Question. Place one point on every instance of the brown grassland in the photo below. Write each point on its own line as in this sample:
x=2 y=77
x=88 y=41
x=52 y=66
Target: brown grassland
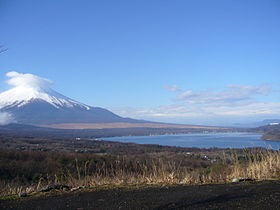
x=36 y=163
x=126 y=125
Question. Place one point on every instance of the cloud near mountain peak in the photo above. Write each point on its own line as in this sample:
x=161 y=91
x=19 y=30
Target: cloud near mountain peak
x=27 y=80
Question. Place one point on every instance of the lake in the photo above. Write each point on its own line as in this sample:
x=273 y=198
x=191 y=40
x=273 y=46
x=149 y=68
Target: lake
x=201 y=140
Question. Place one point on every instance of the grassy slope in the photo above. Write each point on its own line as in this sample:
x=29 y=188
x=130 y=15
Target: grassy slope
x=28 y=163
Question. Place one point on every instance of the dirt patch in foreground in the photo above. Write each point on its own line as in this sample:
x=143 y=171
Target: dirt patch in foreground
x=247 y=195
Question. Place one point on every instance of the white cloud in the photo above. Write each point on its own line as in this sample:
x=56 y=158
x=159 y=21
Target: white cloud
x=27 y=80
x=173 y=88
x=231 y=95
x=5 y=118
x=237 y=102
x=201 y=114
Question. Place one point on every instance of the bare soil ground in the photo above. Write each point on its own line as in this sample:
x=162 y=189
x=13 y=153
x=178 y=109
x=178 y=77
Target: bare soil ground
x=247 y=195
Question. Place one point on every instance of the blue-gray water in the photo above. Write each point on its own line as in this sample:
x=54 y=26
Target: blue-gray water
x=219 y=140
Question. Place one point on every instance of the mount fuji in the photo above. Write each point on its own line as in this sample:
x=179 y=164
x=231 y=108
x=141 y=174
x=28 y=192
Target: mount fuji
x=32 y=101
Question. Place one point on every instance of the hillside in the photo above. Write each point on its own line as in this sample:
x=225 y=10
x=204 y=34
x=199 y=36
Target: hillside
x=270 y=132
x=273 y=135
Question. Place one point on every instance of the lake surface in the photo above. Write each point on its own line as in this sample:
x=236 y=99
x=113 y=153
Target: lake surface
x=209 y=140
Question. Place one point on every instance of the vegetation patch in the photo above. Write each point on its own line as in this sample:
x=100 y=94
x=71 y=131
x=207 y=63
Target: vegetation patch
x=29 y=171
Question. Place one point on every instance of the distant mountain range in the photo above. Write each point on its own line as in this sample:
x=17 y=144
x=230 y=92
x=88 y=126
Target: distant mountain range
x=257 y=124
x=41 y=106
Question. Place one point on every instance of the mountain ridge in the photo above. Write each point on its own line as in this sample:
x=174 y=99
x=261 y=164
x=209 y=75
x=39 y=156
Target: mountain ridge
x=40 y=105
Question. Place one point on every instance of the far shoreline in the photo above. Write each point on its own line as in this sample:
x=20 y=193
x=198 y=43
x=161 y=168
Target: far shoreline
x=200 y=140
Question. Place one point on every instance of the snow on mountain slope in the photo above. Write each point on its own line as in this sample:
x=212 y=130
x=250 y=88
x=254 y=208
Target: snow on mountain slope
x=29 y=87
x=32 y=101
x=20 y=96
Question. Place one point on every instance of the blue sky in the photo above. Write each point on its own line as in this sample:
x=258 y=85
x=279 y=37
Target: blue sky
x=182 y=61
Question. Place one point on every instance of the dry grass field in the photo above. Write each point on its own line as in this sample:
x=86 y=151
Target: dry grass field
x=125 y=125
x=29 y=170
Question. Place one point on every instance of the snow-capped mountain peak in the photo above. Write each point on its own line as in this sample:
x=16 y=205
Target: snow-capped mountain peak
x=21 y=95
x=29 y=87
x=32 y=101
